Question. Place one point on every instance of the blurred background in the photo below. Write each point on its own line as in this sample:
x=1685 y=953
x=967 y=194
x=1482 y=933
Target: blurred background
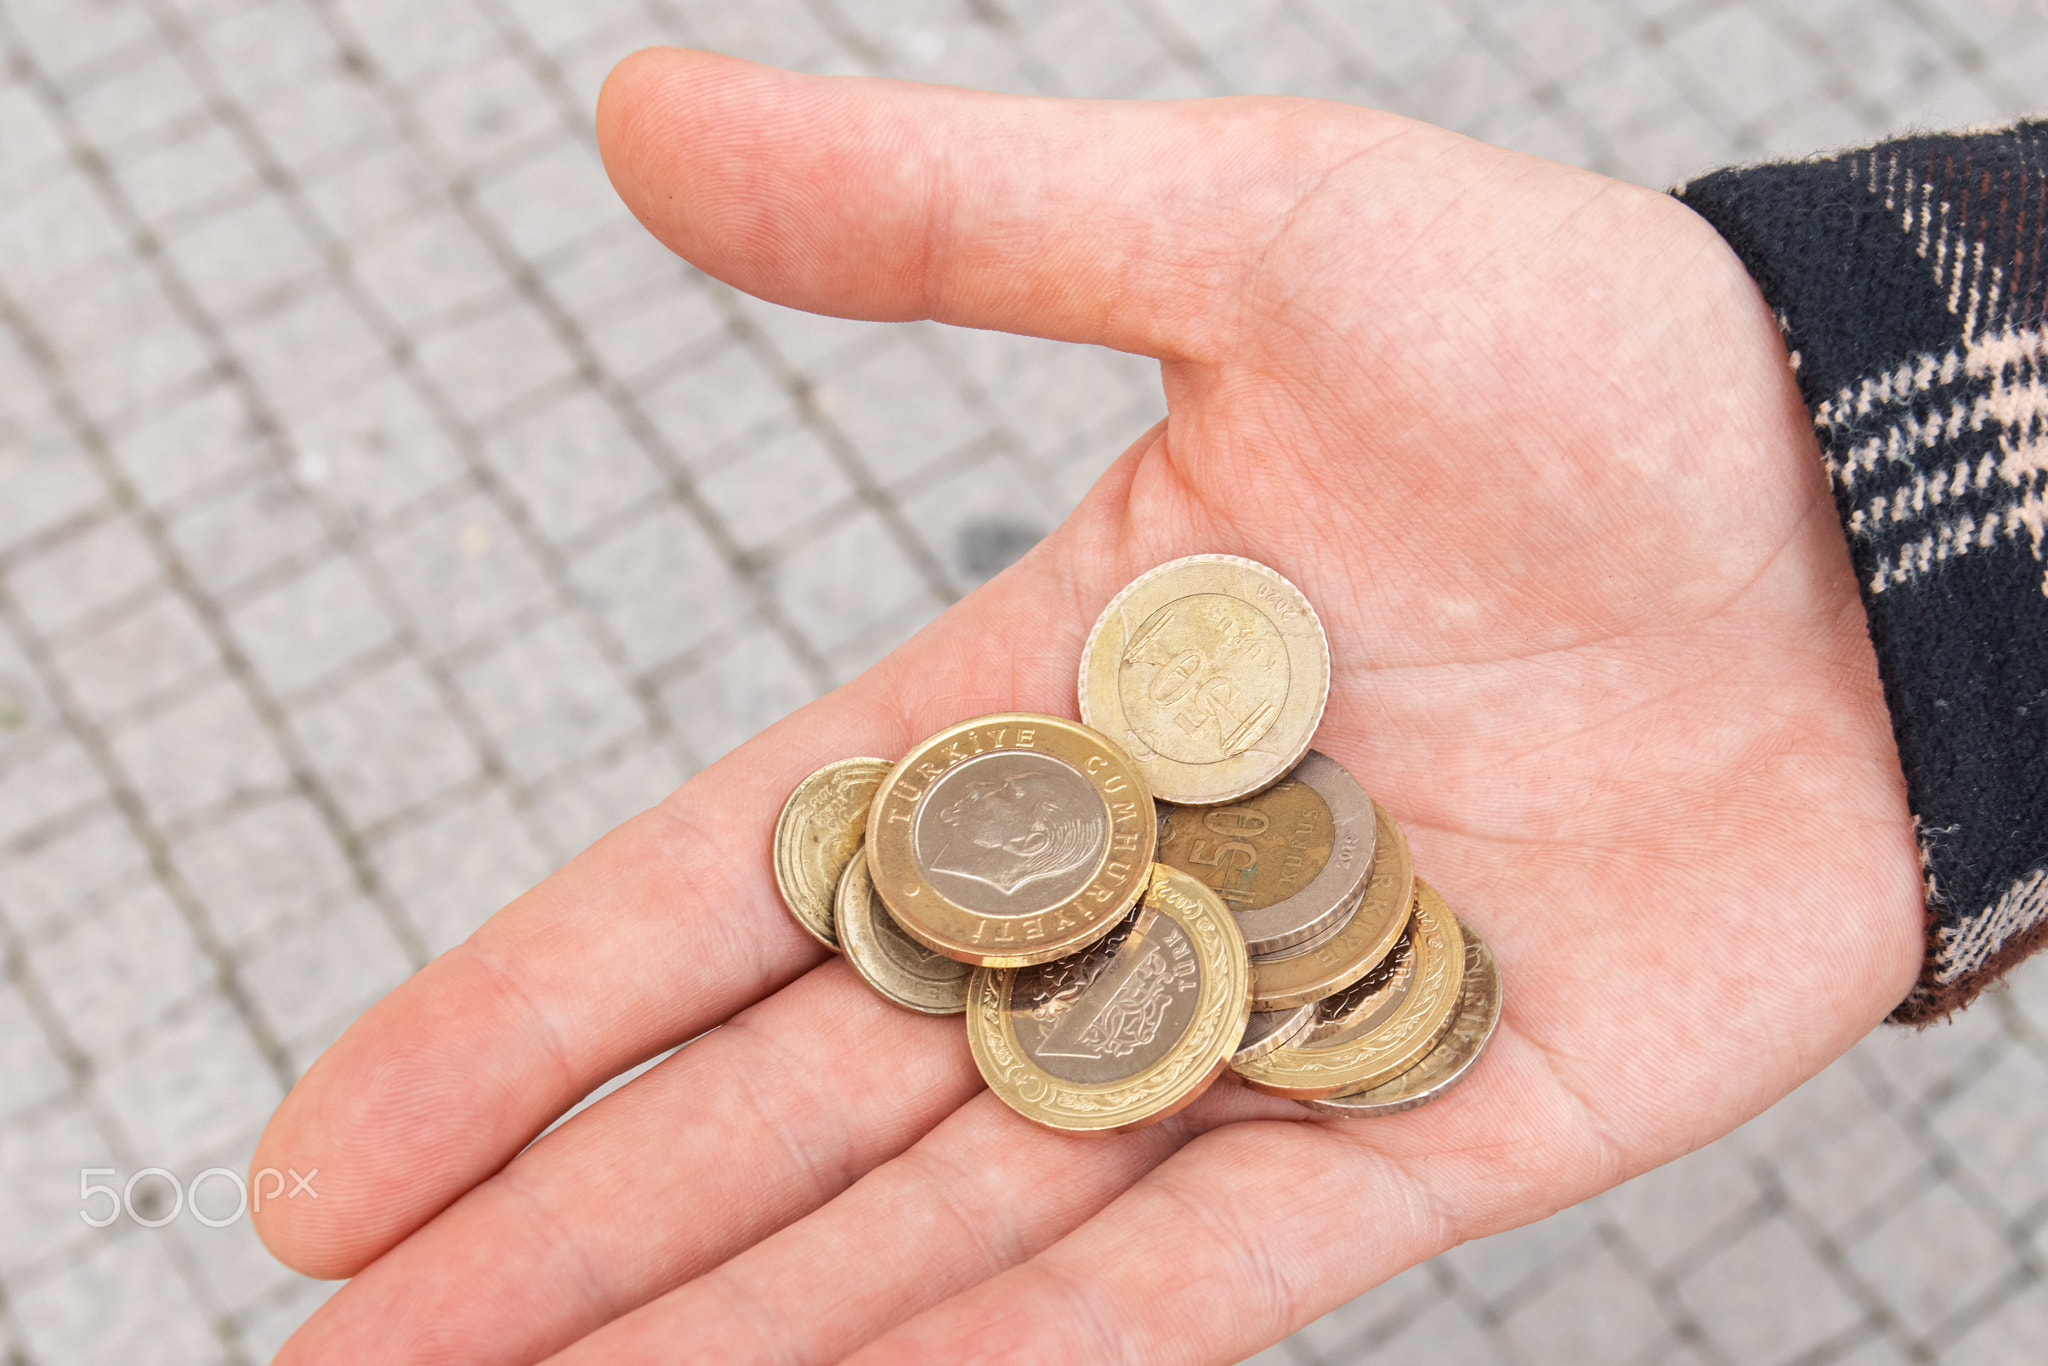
x=383 y=516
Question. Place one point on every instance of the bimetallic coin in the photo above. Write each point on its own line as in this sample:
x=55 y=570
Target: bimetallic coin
x=1125 y=1032
x=1445 y=1065
x=1288 y=861
x=1325 y=968
x=899 y=968
x=1271 y=1029
x=1011 y=839
x=1368 y=1002
x=818 y=834
x=1213 y=671
x=1366 y=1056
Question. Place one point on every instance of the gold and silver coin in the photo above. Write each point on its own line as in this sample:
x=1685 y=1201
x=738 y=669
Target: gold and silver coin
x=1126 y=1032
x=1445 y=1065
x=1367 y=1053
x=818 y=834
x=1012 y=839
x=1327 y=966
x=1267 y=1030
x=1289 y=862
x=900 y=969
x=1369 y=1002
x=1213 y=672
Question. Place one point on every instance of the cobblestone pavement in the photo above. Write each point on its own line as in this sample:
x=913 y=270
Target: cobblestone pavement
x=355 y=447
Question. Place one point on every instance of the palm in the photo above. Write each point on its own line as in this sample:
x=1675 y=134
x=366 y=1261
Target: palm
x=1525 y=438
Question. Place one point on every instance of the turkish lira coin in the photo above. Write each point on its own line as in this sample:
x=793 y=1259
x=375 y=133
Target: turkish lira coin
x=1213 y=672
x=900 y=969
x=1288 y=861
x=1125 y=1032
x=1367 y=1053
x=1369 y=1002
x=1267 y=1030
x=1445 y=1065
x=1327 y=966
x=817 y=834
x=1011 y=839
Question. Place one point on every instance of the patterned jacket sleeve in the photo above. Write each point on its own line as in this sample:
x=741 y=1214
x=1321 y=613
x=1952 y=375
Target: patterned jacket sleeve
x=1911 y=282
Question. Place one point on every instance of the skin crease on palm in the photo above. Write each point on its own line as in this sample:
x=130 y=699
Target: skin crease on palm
x=1528 y=439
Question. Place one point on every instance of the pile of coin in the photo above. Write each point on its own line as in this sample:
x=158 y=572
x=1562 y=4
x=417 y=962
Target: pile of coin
x=1177 y=887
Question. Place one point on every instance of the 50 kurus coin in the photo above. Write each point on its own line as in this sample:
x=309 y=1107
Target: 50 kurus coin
x=1011 y=839
x=1288 y=861
x=1328 y=965
x=817 y=835
x=1127 y=1031
x=1213 y=671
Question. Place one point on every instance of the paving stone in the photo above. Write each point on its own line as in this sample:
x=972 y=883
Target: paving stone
x=243 y=256
x=2010 y=1335
x=578 y=813
x=33 y=1070
x=771 y=489
x=65 y=1316
x=70 y=873
x=489 y=362
x=264 y=1330
x=48 y=483
x=378 y=450
x=548 y=698
x=305 y=628
x=427 y=266
x=265 y=49
x=386 y=742
x=388 y=182
x=701 y=408
x=325 y=972
x=982 y=519
x=31 y=146
x=40 y=1157
x=307 y=350
x=136 y=656
x=1595 y=1309
x=259 y=865
x=573 y=463
x=1767 y=1298
x=1934 y=1258
x=2001 y=1121
x=484 y=110
x=199 y=173
x=45 y=786
x=463 y=571
x=150 y=95
x=118 y=340
x=53 y=233
x=840 y=582
x=749 y=684
x=113 y=974
x=553 y=200
x=1672 y=1210
x=456 y=866
x=65 y=35
x=661 y=586
x=85 y=573
x=200 y=438
x=1441 y=1335
x=197 y=1083
x=899 y=412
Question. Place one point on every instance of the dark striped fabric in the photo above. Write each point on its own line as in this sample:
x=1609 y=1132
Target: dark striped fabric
x=1911 y=282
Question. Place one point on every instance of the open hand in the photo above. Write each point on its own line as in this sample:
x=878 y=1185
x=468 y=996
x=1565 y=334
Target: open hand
x=1528 y=440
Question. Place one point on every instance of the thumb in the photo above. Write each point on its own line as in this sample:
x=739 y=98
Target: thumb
x=1132 y=225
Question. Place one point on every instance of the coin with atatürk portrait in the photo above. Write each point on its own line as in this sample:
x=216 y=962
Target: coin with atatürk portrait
x=1011 y=839
x=1128 y=1030
x=1213 y=672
